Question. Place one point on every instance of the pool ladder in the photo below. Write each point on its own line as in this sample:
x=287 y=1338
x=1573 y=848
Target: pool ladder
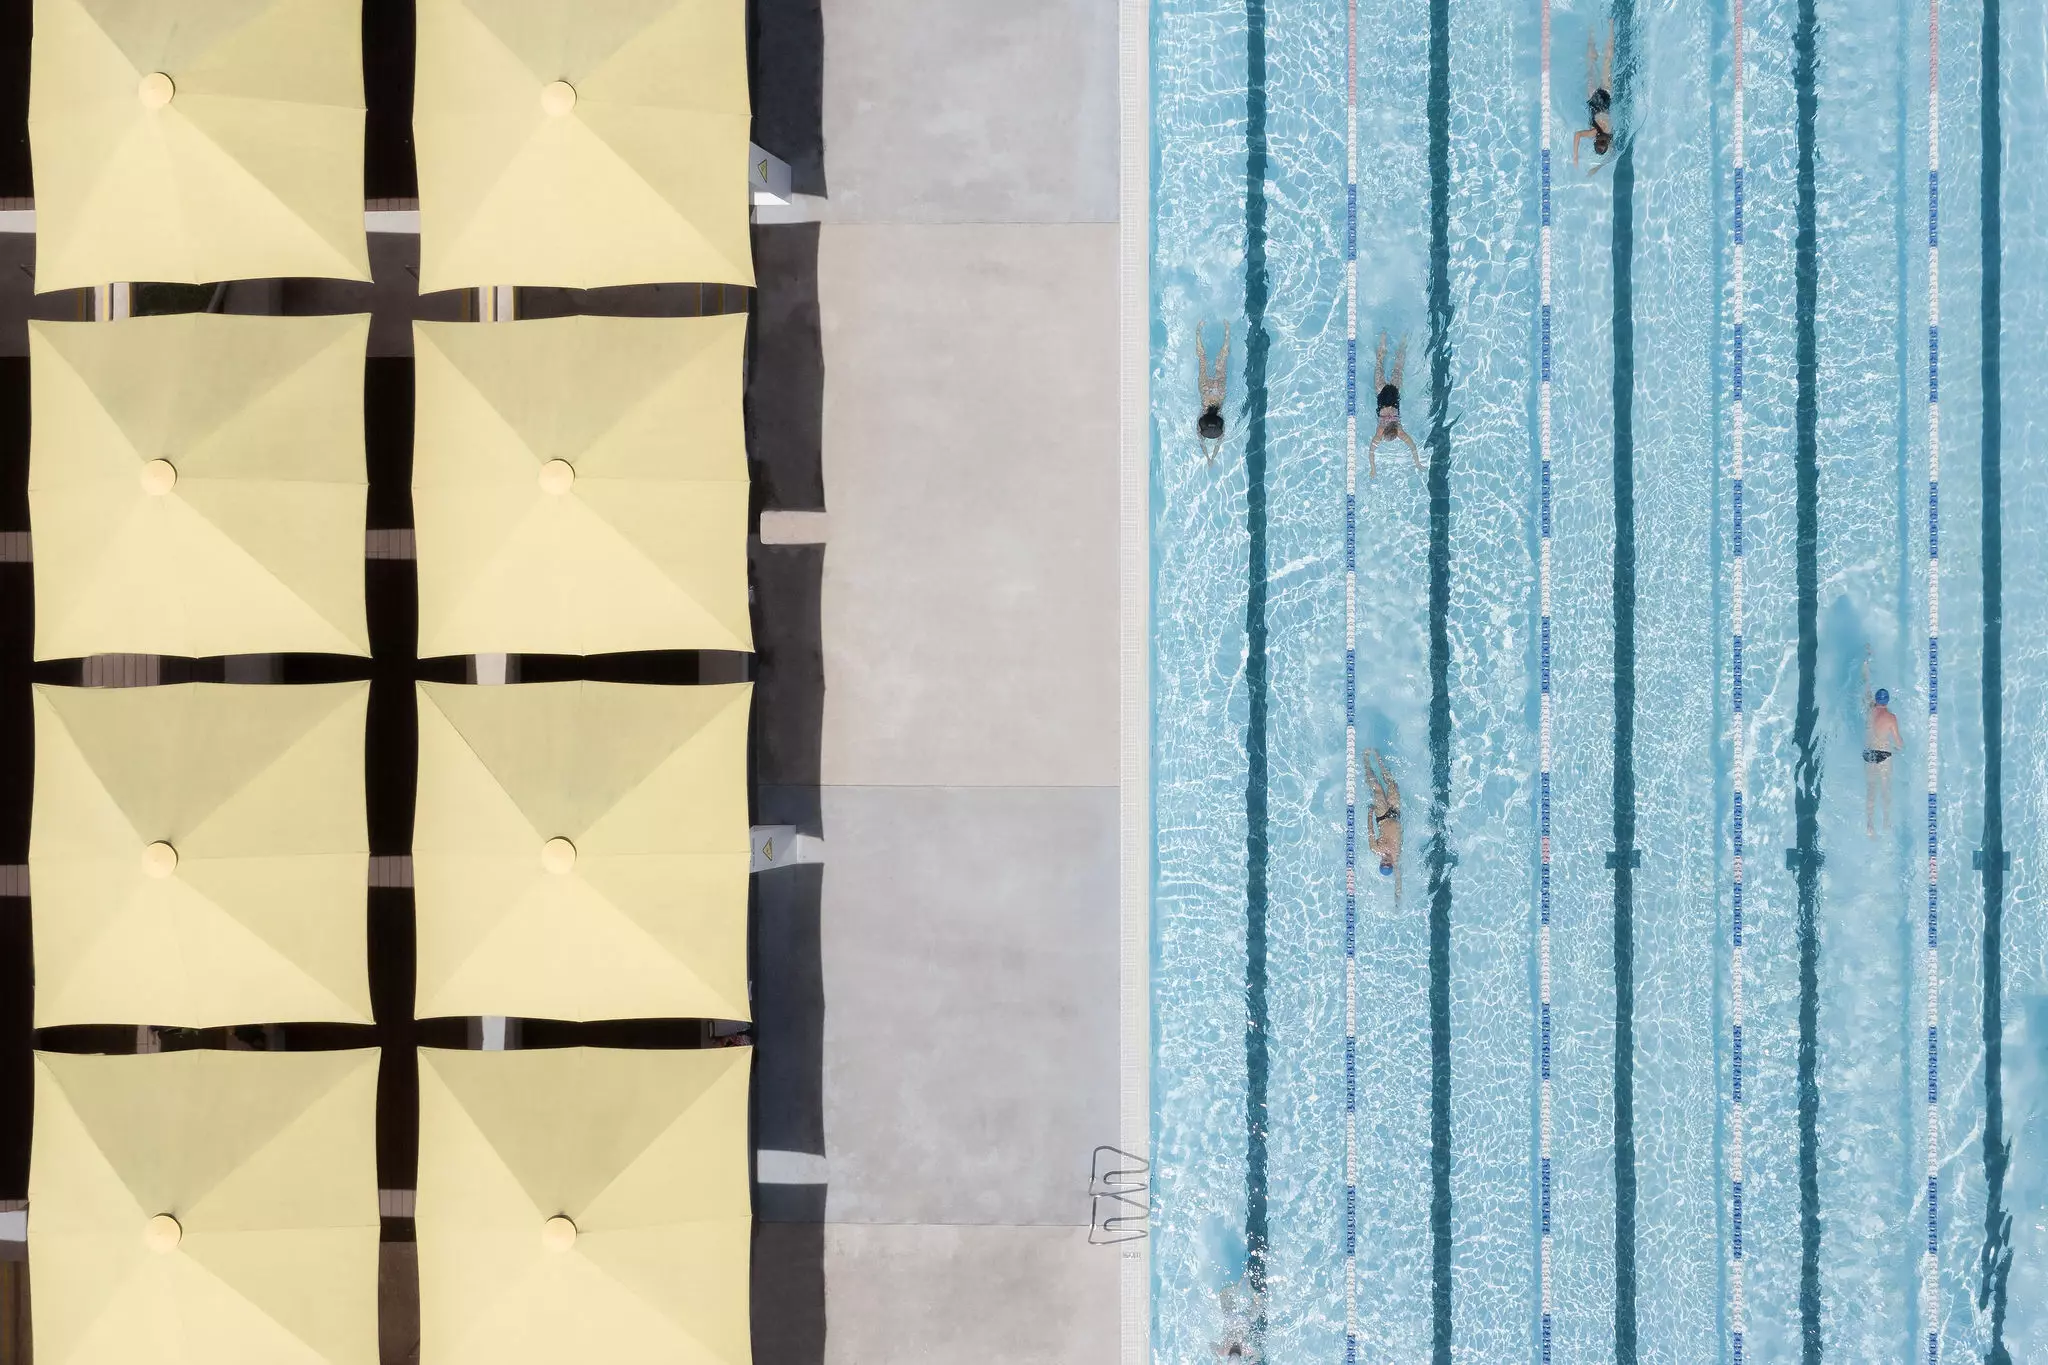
x=1119 y=1196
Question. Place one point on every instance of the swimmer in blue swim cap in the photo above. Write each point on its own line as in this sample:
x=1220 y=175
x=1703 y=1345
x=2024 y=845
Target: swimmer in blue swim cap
x=1881 y=740
x=1384 y=819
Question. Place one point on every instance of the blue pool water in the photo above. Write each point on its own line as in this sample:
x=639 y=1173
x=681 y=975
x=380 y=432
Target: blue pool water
x=1249 y=1081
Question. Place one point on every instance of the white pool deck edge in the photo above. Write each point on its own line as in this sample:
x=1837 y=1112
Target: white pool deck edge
x=1134 y=234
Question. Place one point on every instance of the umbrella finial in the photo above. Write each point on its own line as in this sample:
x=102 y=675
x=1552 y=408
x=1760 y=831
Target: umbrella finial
x=159 y=860
x=558 y=1233
x=156 y=90
x=164 y=1233
x=557 y=477
x=557 y=98
x=558 y=855
x=159 y=477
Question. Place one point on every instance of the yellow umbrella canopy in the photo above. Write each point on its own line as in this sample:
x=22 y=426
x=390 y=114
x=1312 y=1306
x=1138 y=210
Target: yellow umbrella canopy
x=582 y=142
x=197 y=140
x=215 y=1206
x=197 y=485
x=580 y=851
x=199 y=855
x=584 y=1204
x=580 y=486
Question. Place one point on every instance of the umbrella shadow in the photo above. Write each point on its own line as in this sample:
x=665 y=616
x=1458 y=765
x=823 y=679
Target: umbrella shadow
x=786 y=74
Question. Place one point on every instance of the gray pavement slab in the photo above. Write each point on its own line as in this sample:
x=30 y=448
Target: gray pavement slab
x=967 y=937
x=987 y=1295
x=995 y=111
x=970 y=590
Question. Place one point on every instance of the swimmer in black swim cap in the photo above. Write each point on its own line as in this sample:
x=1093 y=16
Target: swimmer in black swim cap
x=1599 y=101
x=1388 y=404
x=1213 y=385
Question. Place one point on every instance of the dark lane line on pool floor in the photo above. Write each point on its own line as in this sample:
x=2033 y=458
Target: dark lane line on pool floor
x=1996 y=1261
x=1804 y=857
x=1625 y=857
x=1257 y=288
x=1439 y=678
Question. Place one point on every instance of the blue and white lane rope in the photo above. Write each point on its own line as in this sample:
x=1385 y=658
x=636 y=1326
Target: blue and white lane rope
x=1740 y=779
x=1543 y=1177
x=1351 y=689
x=1930 y=1265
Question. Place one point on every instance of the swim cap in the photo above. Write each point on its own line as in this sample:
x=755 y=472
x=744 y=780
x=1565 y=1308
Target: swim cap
x=1386 y=869
x=1883 y=696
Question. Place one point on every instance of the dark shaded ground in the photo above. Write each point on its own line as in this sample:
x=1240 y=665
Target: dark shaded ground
x=786 y=70
x=786 y=371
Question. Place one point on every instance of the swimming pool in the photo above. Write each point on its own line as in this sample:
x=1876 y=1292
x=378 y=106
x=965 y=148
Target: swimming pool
x=1416 y=1230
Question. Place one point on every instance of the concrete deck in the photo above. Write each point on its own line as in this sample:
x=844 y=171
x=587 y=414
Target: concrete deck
x=937 y=1005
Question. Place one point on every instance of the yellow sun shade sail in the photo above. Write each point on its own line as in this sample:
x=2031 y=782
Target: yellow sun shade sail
x=197 y=140
x=582 y=142
x=580 y=851
x=580 y=486
x=197 y=485
x=584 y=1204
x=204 y=1206
x=199 y=855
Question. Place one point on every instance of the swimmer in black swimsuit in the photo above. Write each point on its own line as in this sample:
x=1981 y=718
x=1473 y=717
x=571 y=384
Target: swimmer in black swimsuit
x=1213 y=387
x=1389 y=406
x=1881 y=740
x=1384 y=818
x=1599 y=101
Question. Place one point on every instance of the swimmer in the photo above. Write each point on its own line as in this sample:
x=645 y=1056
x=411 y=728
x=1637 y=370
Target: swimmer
x=1599 y=101
x=1389 y=404
x=1240 y=1325
x=1383 y=821
x=1213 y=386
x=1880 y=742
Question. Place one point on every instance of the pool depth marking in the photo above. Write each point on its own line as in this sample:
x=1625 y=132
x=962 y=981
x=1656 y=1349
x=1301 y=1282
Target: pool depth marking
x=1996 y=1259
x=1625 y=857
x=1930 y=1267
x=1440 y=679
x=1544 y=1243
x=1351 y=685
x=1257 y=851
x=1739 y=780
x=1804 y=857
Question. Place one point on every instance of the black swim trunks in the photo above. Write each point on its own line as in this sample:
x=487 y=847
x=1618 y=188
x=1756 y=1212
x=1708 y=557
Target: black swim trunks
x=1390 y=397
x=1598 y=103
x=1875 y=755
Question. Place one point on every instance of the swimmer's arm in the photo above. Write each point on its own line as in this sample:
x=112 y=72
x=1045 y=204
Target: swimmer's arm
x=1891 y=726
x=1577 y=138
x=1413 y=449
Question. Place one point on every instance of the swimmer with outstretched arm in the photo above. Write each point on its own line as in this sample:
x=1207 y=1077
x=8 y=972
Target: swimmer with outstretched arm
x=1213 y=386
x=1599 y=101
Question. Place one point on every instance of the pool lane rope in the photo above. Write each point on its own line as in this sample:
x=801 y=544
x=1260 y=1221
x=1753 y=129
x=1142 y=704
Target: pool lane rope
x=1930 y=1268
x=1737 y=1322
x=1351 y=687
x=1543 y=1178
